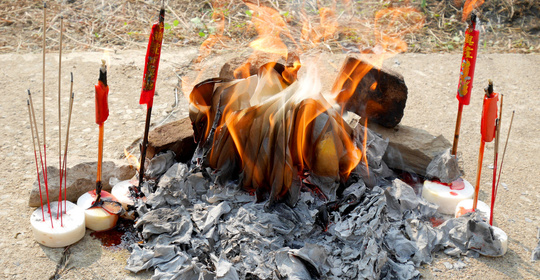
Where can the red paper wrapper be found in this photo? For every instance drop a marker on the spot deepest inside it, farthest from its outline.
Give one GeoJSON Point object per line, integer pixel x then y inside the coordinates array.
{"type": "Point", "coordinates": [489, 115]}
{"type": "Point", "coordinates": [468, 61]}
{"type": "Point", "coordinates": [151, 65]}
{"type": "Point", "coordinates": [102, 106]}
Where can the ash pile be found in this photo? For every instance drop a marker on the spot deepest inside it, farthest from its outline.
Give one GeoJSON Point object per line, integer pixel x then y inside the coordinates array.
{"type": "Point", "coordinates": [285, 184]}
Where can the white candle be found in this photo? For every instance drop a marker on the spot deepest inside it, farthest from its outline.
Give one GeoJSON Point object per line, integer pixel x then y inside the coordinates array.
{"type": "Point", "coordinates": [466, 205]}
{"type": "Point", "coordinates": [63, 232]}
{"type": "Point", "coordinates": [97, 218]}
{"type": "Point", "coordinates": [447, 196]}
{"type": "Point", "coordinates": [121, 192]}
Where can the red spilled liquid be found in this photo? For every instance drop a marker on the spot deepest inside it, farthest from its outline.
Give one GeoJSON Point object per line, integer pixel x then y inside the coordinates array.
{"type": "Point", "coordinates": [118, 238]}
{"type": "Point", "coordinates": [436, 221]}
{"type": "Point", "coordinates": [455, 186]}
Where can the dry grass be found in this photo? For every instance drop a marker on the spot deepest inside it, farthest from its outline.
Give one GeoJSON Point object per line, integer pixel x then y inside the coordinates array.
{"type": "Point", "coordinates": [507, 25]}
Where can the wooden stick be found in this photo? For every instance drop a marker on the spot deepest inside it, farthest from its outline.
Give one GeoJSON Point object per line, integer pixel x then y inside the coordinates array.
{"type": "Point", "coordinates": [100, 160]}
{"type": "Point", "coordinates": [477, 188]}
{"type": "Point", "coordinates": [60, 170]}
{"type": "Point", "coordinates": [43, 166]}
{"type": "Point", "coordinates": [64, 162]}
{"type": "Point", "coordinates": [458, 128]}
{"type": "Point", "coordinates": [35, 158]}
{"type": "Point", "coordinates": [495, 158]}
{"type": "Point", "coordinates": [144, 144]}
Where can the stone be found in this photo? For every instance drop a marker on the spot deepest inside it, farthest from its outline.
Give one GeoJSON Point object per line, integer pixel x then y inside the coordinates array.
{"type": "Point", "coordinates": [175, 136]}
{"type": "Point", "coordinates": [411, 149]}
{"type": "Point", "coordinates": [243, 67]}
{"type": "Point", "coordinates": [379, 94]}
{"type": "Point", "coordinates": [81, 178]}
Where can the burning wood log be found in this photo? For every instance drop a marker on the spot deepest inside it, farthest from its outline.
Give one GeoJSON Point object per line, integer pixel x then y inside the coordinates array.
{"type": "Point", "coordinates": [269, 131]}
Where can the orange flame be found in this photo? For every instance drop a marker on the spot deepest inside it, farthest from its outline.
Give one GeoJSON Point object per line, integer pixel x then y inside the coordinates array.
{"type": "Point", "coordinates": [131, 159]}
{"type": "Point", "coordinates": [469, 6]}
{"type": "Point", "coordinates": [269, 25]}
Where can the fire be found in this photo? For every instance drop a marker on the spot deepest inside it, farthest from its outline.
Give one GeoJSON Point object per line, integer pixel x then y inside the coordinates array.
{"type": "Point", "coordinates": [272, 128]}
{"type": "Point", "coordinates": [469, 6]}
{"type": "Point", "coordinates": [131, 159]}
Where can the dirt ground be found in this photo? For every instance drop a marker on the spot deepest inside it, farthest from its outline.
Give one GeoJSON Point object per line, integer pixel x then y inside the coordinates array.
{"type": "Point", "coordinates": [431, 79]}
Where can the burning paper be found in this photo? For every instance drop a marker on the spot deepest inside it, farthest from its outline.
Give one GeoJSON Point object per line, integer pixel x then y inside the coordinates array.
{"type": "Point", "coordinates": [270, 130]}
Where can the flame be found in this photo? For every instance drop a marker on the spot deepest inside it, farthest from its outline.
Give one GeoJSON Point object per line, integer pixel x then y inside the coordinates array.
{"type": "Point", "coordinates": [106, 56]}
{"type": "Point", "coordinates": [218, 17]}
{"type": "Point", "coordinates": [269, 24]}
{"type": "Point", "coordinates": [268, 126]}
{"type": "Point", "coordinates": [131, 159]}
{"type": "Point", "coordinates": [469, 6]}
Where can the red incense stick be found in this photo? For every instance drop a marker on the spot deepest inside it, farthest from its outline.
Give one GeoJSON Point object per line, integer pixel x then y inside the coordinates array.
{"type": "Point", "coordinates": [151, 66]}
{"type": "Point", "coordinates": [495, 158]}
{"type": "Point", "coordinates": [466, 74]}
{"type": "Point", "coordinates": [102, 113]}
{"type": "Point", "coordinates": [487, 129]}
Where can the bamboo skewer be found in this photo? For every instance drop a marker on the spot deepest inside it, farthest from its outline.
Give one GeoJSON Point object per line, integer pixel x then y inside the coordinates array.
{"type": "Point", "coordinates": [35, 157]}
{"type": "Point", "coordinates": [43, 167]}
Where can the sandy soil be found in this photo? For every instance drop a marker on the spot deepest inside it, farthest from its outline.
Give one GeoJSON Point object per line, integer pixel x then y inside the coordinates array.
{"type": "Point", "coordinates": [432, 81]}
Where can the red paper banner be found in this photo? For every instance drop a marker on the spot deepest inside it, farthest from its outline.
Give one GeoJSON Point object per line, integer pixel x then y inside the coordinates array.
{"type": "Point", "coordinates": [489, 116]}
{"type": "Point", "coordinates": [468, 61]}
{"type": "Point", "coordinates": [151, 65]}
{"type": "Point", "coordinates": [102, 106]}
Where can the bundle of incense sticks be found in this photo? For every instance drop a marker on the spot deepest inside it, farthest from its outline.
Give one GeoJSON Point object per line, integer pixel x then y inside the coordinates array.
{"type": "Point", "coordinates": [35, 135]}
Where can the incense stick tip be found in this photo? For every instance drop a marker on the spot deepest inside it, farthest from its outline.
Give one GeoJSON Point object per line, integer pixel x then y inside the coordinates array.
{"type": "Point", "coordinates": [28, 102]}
{"type": "Point", "coordinates": [45, 5]}
{"type": "Point", "coordinates": [28, 92]}
{"type": "Point", "coordinates": [71, 77]}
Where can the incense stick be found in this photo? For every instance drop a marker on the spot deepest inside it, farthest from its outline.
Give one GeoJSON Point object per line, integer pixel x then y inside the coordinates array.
{"type": "Point", "coordinates": [64, 162]}
{"type": "Point", "coordinates": [43, 167]}
{"type": "Point", "coordinates": [44, 125]}
{"type": "Point", "coordinates": [35, 158]}
{"type": "Point", "coordinates": [502, 159]}
{"type": "Point", "coordinates": [60, 170]}
{"type": "Point", "coordinates": [495, 158]}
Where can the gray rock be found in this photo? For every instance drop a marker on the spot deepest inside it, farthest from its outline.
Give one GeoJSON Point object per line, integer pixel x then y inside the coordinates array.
{"type": "Point", "coordinates": [376, 93]}
{"type": "Point", "coordinates": [411, 149]}
{"type": "Point", "coordinates": [176, 136]}
{"type": "Point", "coordinates": [81, 178]}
